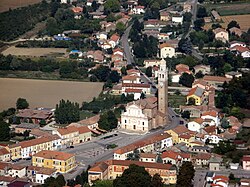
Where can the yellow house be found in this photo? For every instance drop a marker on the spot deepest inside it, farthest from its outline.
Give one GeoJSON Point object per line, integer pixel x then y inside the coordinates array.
{"type": "Point", "coordinates": [61, 161]}
{"type": "Point", "coordinates": [197, 94]}
{"type": "Point", "coordinates": [69, 135]}
{"type": "Point", "coordinates": [15, 151]}
{"type": "Point", "coordinates": [186, 138]}
{"type": "Point", "coordinates": [176, 132]}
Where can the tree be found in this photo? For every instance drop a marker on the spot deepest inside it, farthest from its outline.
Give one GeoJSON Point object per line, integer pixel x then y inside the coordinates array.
{"type": "Point", "coordinates": [149, 71]}
{"type": "Point", "coordinates": [186, 175]}
{"type": "Point", "coordinates": [52, 26]}
{"type": "Point", "coordinates": [94, 6]}
{"type": "Point", "coordinates": [232, 24]}
{"type": "Point", "coordinates": [143, 96]}
{"type": "Point", "coordinates": [4, 131]}
{"type": "Point", "coordinates": [133, 176]}
{"type": "Point", "coordinates": [134, 156]}
{"type": "Point", "coordinates": [103, 183]}
{"type": "Point", "coordinates": [123, 70]}
{"type": "Point", "coordinates": [114, 76]}
{"type": "Point", "coordinates": [191, 101]}
{"type": "Point", "coordinates": [67, 112]}
{"type": "Point", "coordinates": [185, 46]}
{"type": "Point", "coordinates": [186, 80]}
{"type": "Point", "coordinates": [108, 121]}
{"type": "Point", "coordinates": [120, 28]}
{"type": "Point", "coordinates": [198, 24]}
{"type": "Point", "coordinates": [202, 12]}
{"type": "Point", "coordinates": [111, 6]}
{"type": "Point", "coordinates": [156, 181]}
{"type": "Point", "coordinates": [22, 103]}
{"type": "Point", "coordinates": [185, 114]}
{"type": "Point", "coordinates": [60, 180]}
{"type": "Point", "coordinates": [187, 16]}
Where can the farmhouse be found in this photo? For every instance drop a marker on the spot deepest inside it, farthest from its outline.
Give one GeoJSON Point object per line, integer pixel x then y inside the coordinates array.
{"type": "Point", "coordinates": [221, 34]}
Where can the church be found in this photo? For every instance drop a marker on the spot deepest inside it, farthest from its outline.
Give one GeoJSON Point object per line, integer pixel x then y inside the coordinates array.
{"type": "Point", "coordinates": [149, 113]}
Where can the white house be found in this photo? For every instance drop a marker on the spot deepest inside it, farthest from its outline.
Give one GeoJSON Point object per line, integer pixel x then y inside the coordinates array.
{"type": "Point", "coordinates": [167, 50]}
{"type": "Point", "coordinates": [148, 157]}
{"type": "Point", "coordinates": [17, 171]}
{"type": "Point", "coordinates": [221, 34]}
{"type": "Point", "coordinates": [138, 10]}
{"type": "Point", "coordinates": [211, 117]}
{"type": "Point", "coordinates": [43, 174]}
{"type": "Point", "coordinates": [195, 125]}
{"type": "Point", "coordinates": [213, 138]}
{"type": "Point", "coordinates": [178, 19]}
{"type": "Point", "coordinates": [237, 43]}
{"type": "Point", "coordinates": [102, 35]}
{"type": "Point", "coordinates": [114, 40]}
{"type": "Point", "coordinates": [131, 79]}
{"type": "Point", "coordinates": [89, 2]}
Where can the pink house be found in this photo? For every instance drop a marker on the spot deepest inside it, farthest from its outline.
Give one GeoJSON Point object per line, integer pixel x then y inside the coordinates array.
{"type": "Point", "coordinates": [246, 162]}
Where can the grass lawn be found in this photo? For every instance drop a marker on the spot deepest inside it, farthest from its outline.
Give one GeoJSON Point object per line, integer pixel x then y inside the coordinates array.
{"type": "Point", "coordinates": [6, 142]}
{"type": "Point", "coordinates": [233, 8]}
{"type": "Point", "coordinates": [85, 114]}
{"type": "Point", "coordinates": [176, 100]}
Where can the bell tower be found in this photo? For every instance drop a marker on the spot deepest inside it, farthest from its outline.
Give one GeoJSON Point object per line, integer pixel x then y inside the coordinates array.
{"type": "Point", "coordinates": [163, 88]}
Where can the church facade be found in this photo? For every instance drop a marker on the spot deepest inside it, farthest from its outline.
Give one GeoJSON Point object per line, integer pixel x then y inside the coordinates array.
{"type": "Point", "coordinates": [149, 113]}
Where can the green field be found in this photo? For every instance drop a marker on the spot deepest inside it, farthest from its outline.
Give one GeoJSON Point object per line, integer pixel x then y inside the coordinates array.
{"type": "Point", "coordinates": [176, 100]}
{"type": "Point", "coordinates": [234, 8]}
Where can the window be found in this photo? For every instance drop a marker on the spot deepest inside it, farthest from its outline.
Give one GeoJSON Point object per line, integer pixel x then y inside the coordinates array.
{"type": "Point", "coordinates": [125, 121]}
{"type": "Point", "coordinates": [134, 127]}
{"type": "Point", "coordinates": [143, 123]}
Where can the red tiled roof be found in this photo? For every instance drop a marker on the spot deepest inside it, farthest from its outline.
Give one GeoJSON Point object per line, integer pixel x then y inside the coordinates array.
{"type": "Point", "coordinates": [129, 90]}
{"type": "Point", "coordinates": [54, 155]}
{"type": "Point", "coordinates": [147, 155]}
{"type": "Point", "coordinates": [135, 85]}
{"type": "Point", "coordinates": [83, 129]}
{"type": "Point", "coordinates": [240, 48]}
{"type": "Point", "coordinates": [216, 78]}
{"type": "Point", "coordinates": [115, 37]}
{"type": "Point", "coordinates": [165, 45]}
{"type": "Point", "coordinates": [218, 30]}
{"type": "Point", "coordinates": [77, 9]}
{"type": "Point", "coordinates": [203, 156]}
{"type": "Point", "coordinates": [170, 154]}
{"type": "Point", "coordinates": [210, 113]}
{"type": "Point", "coordinates": [210, 129]}
{"type": "Point", "coordinates": [130, 77]}
{"type": "Point", "coordinates": [4, 151]}
{"type": "Point", "coordinates": [246, 158]}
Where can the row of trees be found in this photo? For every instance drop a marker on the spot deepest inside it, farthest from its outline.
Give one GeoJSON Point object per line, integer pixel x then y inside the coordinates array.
{"type": "Point", "coordinates": [18, 21]}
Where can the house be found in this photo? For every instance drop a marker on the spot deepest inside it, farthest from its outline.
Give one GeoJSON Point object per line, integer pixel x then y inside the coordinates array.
{"type": "Point", "coordinates": [36, 115]}
{"type": "Point", "coordinates": [154, 24]}
{"type": "Point", "coordinates": [200, 149]}
{"type": "Point", "coordinates": [153, 62]}
{"type": "Point", "coordinates": [195, 111]}
{"type": "Point", "coordinates": [215, 81]}
{"type": "Point", "coordinates": [221, 34]}
{"type": "Point", "coordinates": [197, 94]}
{"type": "Point", "coordinates": [21, 128]}
{"type": "Point", "coordinates": [211, 118]}
{"type": "Point", "coordinates": [233, 74]}
{"type": "Point", "coordinates": [167, 50]}
{"type": "Point", "coordinates": [69, 135]}
{"type": "Point", "coordinates": [20, 183]}
{"type": "Point", "coordinates": [4, 155]}
{"type": "Point", "coordinates": [215, 163]}
{"type": "Point", "coordinates": [204, 69]}
{"type": "Point", "coordinates": [195, 125]}
{"type": "Point", "coordinates": [154, 143]}
{"type": "Point", "coordinates": [176, 132]}
{"type": "Point", "coordinates": [131, 79]}
{"type": "Point", "coordinates": [116, 57]}
{"type": "Point", "coordinates": [165, 16]}
{"type": "Point", "coordinates": [236, 31]}
{"type": "Point", "coordinates": [215, 15]}
{"type": "Point", "coordinates": [154, 33]}
{"type": "Point", "coordinates": [96, 55]}
{"type": "Point", "coordinates": [220, 181]}
{"type": "Point", "coordinates": [118, 51]}
{"type": "Point", "coordinates": [138, 10]}
{"type": "Point", "coordinates": [102, 35]}
{"type": "Point", "coordinates": [148, 157]}
{"type": "Point", "coordinates": [182, 68]}
{"type": "Point", "coordinates": [246, 162]}
{"type": "Point", "coordinates": [91, 122]}
{"type": "Point", "coordinates": [146, 88]}
{"type": "Point", "coordinates": [26, 149]}
{"type": "Point", "coordinates": [39, 174]}
{"type": "Point", "coordinates": [111, 169]}
{"type": "Point", "coordinates": [237, 43]}
{"type": "Point", "coordinates": [187, 7]}
{"type": "Point", "coordinates": [177, 19]}
{"type": "Point", "coordinates": [163, 37]}
{"type": "Point", "coordinates": [114, 40]}
{"type": "Point", "coordinates": [201, 84]}
{"type": "Point", "coordinates": [244, 182]}
{"type": "Point", "coordinates": [89, 2]}
{"type": "Point", "coordinates": [77, 11]}
{"type": "Point", "coordinates": [12, 170]}
{"type": "Point", "coordinates": [207, 19]}
{"type": "Point", "coordinates": [170, 157]}
{"type": "Point", "coordinates": [61, 161]}
{"type": "Point", "coordinates": [5, 180]}
{"type": "Point", "coordinates": [234, 123]}
{"type": "Point", "coordinates": [243, 51]}
{"type": "Point", "coordinates": [202, 159]}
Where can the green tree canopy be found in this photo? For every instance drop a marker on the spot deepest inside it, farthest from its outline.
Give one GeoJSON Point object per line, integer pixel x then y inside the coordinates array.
{"type": "Point", "coordinates": [4, 131]}
{"type": "Point", "coordinates": [111, 6]}
{"type": "Point", "coordinates": [186, 175]}
{"type": "Point", "coordinates": [186, 80]}
{"type": "Point", "coordinates": [22, 103]}
{"type": "Point", "coordinates": [149, 71]}
{"type": "Point", "coordinates": [67, 112]}
{"type": "Point", "coordinates": [108, 121]}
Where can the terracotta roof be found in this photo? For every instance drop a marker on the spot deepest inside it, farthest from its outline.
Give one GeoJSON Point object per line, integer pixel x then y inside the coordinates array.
{"type": "Point", "coordinates": [180, 129]}
{"type": "Point", "coordinates": [99, 167]}
{"type": "Point", "coordinates": [118, 50]}
{"type": "Point", "coordinates": [210, 113]}
{"type": "Point", "coordinates": [130, 77]}
{"type": "Point", "coordinates": [185, 155]}
{"type": "Point", "coordinates": [164, 13]}
{"type": "Point", "coordinates": [131, 71]}
{"type": "Point", "coordinates": [185, 136]}
{"type": "Point", "coordinates": [142, 143]}
{"type": "Point", "coordinates": [216, 78]}
{"type": "Point", "coordinates": [170, 154]}
{"type": "Point", "coordinates": [147, 103]}
{"type": "Point", "coordinates": [235, 30]}
{"type": "Point", "coordinates": [129, 90]}
{"type": "Point", "coordinates": [246, 158]}
{"type": "Point", "coordinates": [165, 45]}
{"type": "Point", "coordinates": [148, 155]}
{"type": "Point", "coordinates": [221, 177]}
{"type": "Point", "coordinates": [144, 164]}
{"type": "Point", "coordinates": [199, 120]}
{"type": "Point", "coordinates": [210, 129]}
{"type": "Point", "coordinates": [4, 151]}
{"type": "Point", "coordinates": [46, 171]}
{"type": "Point", "coordinates": [135, 85]}
{"type": "Point", "coordinates": [77, 9]}
{"type": "Point", "coordinates": [39, 133]}
{"type": "Point", "coordinates": [240, 48]}
{"type": "Point", "coordinates": [203, 156]}
{"type": "Point", "coordinates": [83, 129]}
{"type": "Point", "coordinates": [90, 121]}
{"type": "Point", "coordinates": [115, 37]}
{"type": "Point", "coordinates": [140, 7]}
{"type": "Point", "coordinates": [200, 81]}
{"type": "Point", "coordinates": [5, 165]}
{"type": "Point", "coordinates": [38, 141]}
{"type": "Point", "coordinates": [218, 30]}
{"type": "Point", "coordinates": [30, 113]}
{"type": "Point", "coordinates": [196, 91]}
{"type": "Point", "coordinates": [7, 178]}
{"type": "Point", "coordinates": [67, 130]}
{"type": "Point", "coordinates": [54, 155]}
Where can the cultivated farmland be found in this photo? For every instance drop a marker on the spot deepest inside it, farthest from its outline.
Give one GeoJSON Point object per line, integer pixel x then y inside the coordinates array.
{"type": "Point", "coordinates": [44, 93]}
{"type": "Point", "coordinates": [6, 4]}
{"type": "Point", "coordinates": [34, 52]}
